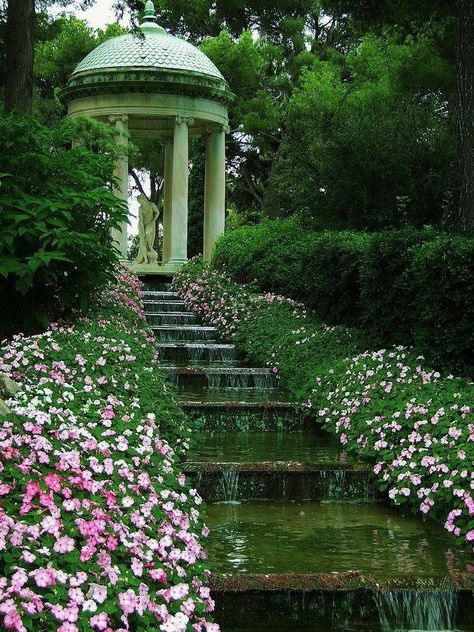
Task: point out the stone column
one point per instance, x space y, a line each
214 191
179 192
121 173
167 208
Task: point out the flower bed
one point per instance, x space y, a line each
384 405
98 530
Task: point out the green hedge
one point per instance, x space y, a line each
410 287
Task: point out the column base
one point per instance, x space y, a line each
176 262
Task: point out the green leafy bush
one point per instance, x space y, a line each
409 287
56 212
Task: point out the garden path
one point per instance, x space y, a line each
300 538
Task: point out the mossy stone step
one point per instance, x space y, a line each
337 602
152 307
281 481
221 377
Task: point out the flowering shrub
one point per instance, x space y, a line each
417 426
220 302
266 327
98 530
380 282
385 405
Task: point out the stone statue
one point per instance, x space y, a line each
147 217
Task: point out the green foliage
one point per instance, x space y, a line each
401 287
56 212
344 111
269 328
442 271
366 146
61 43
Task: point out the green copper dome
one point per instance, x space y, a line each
152 57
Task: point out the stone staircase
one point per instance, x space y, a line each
300 538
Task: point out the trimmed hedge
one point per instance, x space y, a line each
411 287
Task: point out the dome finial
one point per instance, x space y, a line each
149 22
150 9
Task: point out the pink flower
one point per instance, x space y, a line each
64 545
53 481
100 621
97 593
128 601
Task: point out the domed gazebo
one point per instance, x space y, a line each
155 86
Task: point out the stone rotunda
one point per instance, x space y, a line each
152 85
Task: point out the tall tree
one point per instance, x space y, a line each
19 55
465 221
411 17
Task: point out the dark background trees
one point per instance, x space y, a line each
345 113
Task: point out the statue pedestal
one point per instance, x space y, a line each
149 269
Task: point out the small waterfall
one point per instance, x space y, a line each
183 333
198 480
230 484
241 380
212 353
168 318
416 610
347 485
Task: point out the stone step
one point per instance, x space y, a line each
221 377
241 416
197 352
153 307
171 318
149 295
231 397
281 481
339 602
156 286
178 333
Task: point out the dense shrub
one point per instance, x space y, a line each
56 212
98 529
415 425
402 287
443 277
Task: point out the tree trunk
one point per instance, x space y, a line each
465 220
19 55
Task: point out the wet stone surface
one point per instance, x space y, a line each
269 481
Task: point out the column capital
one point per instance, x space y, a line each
211 129
118 118
184 119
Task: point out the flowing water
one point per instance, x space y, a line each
414 609
236 395
230 480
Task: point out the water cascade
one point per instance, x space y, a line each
230 483
417 610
